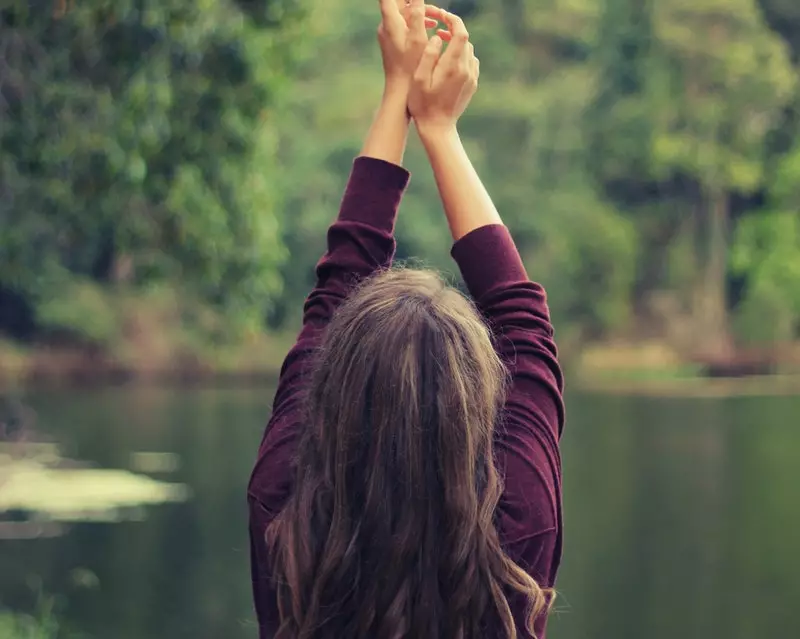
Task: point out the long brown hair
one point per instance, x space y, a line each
390 531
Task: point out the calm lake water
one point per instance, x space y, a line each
682 519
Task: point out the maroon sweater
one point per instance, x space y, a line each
360 241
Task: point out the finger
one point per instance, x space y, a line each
459 37
433 16
427 63
446 36
432 11
391 16
470 57
416 21
464 61
453 23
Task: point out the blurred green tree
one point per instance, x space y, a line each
641 151
138 145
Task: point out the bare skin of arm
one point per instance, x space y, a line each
442 88
388 134
403 38
466 202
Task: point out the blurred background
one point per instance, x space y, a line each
167 172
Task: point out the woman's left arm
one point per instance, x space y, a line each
360 241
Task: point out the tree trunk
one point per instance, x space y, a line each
714 330
122 270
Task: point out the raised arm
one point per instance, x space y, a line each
360 241
515 308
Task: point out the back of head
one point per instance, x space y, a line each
390 529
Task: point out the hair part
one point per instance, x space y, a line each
390 530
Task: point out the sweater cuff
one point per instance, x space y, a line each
374 192
487 257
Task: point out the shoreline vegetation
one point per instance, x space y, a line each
170 356
81 365
103 337
164 224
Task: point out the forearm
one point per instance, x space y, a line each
360 241
466 202
388 135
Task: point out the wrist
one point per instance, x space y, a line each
395 93
437 133
389 131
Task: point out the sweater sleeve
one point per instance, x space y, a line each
360 241
527 442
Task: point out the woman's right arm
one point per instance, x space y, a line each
527 443
466 202
516 310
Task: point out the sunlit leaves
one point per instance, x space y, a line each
729 77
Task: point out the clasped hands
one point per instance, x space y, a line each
437 85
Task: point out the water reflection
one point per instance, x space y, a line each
41 487
679 514
681 518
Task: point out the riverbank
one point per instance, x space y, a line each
691 387
89 335
655 369
255 359
615 368
96 336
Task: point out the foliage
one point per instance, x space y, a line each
42 625
137 147
640 150
767 254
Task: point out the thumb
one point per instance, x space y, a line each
428 61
